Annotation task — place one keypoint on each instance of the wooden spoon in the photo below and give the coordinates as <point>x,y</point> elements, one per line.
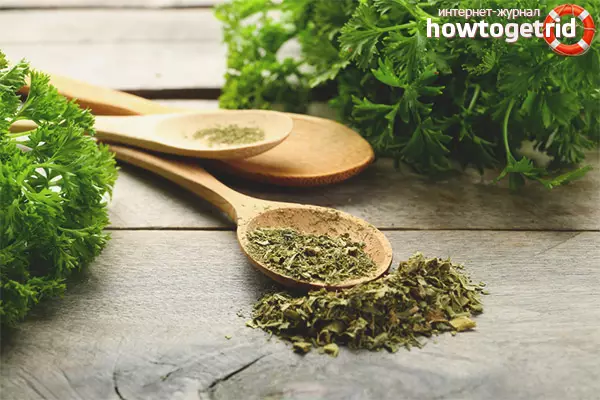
<point>174,133</point>
<point>318,151</point>
<point>250,213</point>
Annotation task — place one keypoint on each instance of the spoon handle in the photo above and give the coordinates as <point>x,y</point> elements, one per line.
<point>105,101</point>
<point>192,177</point>
<point>138,131</point>
<point>119,129</point>
<point>127,130</point>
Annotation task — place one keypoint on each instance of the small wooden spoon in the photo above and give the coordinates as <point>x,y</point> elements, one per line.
<point>250,213</point>
<point>319,151</point>
<point>174,133</point>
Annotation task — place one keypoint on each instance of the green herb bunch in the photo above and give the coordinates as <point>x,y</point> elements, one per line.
<point>54,183</point>
<point>434,103</point>
<point>423,297</point>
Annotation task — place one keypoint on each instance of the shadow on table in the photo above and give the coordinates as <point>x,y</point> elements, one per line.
<point>48,309</point>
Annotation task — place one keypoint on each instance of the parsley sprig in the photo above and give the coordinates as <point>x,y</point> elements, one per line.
<point>436,104</point>
<point>54,182</point>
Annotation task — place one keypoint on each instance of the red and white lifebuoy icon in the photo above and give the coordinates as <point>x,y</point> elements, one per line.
<point>578,48</point>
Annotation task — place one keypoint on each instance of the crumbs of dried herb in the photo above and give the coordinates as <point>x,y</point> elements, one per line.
<point>230,134</point>
<point>423,297</point>
<point>310,258</point>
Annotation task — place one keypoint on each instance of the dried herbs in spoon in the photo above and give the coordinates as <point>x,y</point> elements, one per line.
<point>422,297</point>
<point>230,135</point>
<point>310,258</point>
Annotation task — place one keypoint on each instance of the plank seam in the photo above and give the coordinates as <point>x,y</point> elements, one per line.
<point>385,229</point>
<point>177,94</point>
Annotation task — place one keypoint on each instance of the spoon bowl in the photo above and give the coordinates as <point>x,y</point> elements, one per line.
<point>175,133</point>
<point>315,220</point>
<point>250,213</point>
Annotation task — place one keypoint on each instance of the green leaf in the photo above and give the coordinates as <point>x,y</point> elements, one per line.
<point>562,106</point>
<point>383,114</point>
<point>528,103</point>
<point>360,36</point>
<point>411,105</point>
<point>566,177</point>
<point>427,149</point>
<point>546,115</point>
<point>52,197</point>
<point>488,62</point>
<point>385,74</point>
<point>13,77</point>
<point>329,74</point>
<point>523,169</point>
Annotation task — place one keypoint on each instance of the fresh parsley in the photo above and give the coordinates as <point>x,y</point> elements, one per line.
<point>54,183</point>
<point>436,104</point>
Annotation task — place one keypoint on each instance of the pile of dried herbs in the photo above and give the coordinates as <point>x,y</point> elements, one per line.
<point>230,135</point>
<point>310,258</point>
<point>422,297</point>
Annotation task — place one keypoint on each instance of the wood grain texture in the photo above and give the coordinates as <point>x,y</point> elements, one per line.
<point>385,197</point>
<point>149,318</point>
<point>137,49</point>
<point>195,104</point>
<point>106,3</point>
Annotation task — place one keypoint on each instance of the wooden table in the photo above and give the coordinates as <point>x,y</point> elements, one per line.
<point>149,318</point>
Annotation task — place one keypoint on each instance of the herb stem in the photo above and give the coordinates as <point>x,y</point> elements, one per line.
<point>474,98</point>
<point>509,155</point>
<point>398,27</point>
<point>23,108</point>
<point>418,12</point>
<point>50,165</point>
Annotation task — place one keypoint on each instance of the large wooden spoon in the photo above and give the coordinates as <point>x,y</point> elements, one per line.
<point>250,213</point>
<point>317,152</point>
<point>175,133</point>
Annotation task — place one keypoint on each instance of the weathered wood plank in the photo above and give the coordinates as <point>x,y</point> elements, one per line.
<point>192,104</point>
<point>143,200</point>
<point>125,49</point>
<point>15,4</point>
<point>149,318</point>
<point>381,195</point>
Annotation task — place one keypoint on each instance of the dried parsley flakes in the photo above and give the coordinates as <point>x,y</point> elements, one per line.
<point>310,258</point>
<point>230,134</point>
<point>422,297</point>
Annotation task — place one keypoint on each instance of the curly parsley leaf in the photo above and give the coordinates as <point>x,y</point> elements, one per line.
<point>54,181</point>
<point>360,36</point>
